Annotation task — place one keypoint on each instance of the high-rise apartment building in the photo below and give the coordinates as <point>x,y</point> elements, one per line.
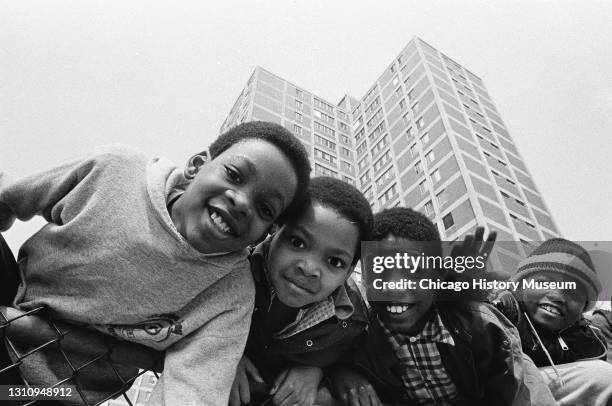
<point>425,135</point>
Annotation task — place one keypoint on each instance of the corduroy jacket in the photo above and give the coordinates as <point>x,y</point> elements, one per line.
<point>580,341</point>
<point>486,363</point>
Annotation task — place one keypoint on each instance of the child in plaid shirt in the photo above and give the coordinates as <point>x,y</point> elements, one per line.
<point>423,352</point>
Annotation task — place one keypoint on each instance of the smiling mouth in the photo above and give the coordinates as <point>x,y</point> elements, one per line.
<point>399,309</point>
<point>220,223</point>
<point>552,309</point>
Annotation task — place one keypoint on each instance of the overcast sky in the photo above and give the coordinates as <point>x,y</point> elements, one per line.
<point>163,76</point>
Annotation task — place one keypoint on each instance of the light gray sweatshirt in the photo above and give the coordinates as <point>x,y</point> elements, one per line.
<point>110,258</point>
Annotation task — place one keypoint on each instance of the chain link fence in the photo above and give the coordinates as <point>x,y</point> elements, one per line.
<point>26,335</point>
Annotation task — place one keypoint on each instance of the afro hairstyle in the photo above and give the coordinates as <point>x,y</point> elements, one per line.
<point>347,201</point>
<point>281,138</point>
<point>404,222</point>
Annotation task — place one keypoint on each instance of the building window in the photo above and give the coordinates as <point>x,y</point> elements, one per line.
<point>389,194</point>
<point>297,130</point>
<point>345,152</point>
<point>382,179</point>
<point>346,166</point>
<point>299,105</point>
<point>425,138</point>
<point>325,156</point>
<point>415,108</point>
<point>392,69</point>
<point>417,168</point>
<point>363,163</point>
<point>361,148</point>
<point>448,221</point>
<point>395,81</point>
<point>423,187</point>
<point>365,178</point>
<point>324,129</point>
<point>321,170</point>
<point>359,135</point>
<point>429,209</point>
<point>382,161</point>
<point>325,142</point>
<point>348,180</point>
<point>380,145</point>
<point>430,156</point>
<point>442,198</point>
<point>299,94</point>
<point>420,123</point>
<point>378,130</point>
<point>410,132</point>
<point>411,94</point>
<point>413,151</point>
<point>298,117</point>
<point>402,104</point>
<point>398,92</point>
<point>435,175</point>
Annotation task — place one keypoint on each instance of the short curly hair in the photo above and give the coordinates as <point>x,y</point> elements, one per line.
<point>345,199</point>
<point>404,222</point>
<point>281,138</point>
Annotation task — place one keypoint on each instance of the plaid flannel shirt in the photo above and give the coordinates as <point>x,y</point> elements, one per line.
<point>424,376</point>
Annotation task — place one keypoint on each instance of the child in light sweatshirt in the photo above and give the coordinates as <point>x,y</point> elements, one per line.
<point>147,252</point>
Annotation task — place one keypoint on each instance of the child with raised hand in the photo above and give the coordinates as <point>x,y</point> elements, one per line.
<point>307,309</point>
<point>420,351</point>
<point>147,252</point>
<point>554,333</point>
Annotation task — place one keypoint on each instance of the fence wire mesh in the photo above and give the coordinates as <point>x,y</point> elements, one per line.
<point>37,329</point>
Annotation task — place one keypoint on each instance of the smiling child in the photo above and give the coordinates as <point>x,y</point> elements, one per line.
<point>147,252</point>
<point>307,310</point>
<point>421,351</point>
<point>554,333</point>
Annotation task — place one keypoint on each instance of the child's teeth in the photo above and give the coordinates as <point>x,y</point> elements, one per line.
<point>219,222</point>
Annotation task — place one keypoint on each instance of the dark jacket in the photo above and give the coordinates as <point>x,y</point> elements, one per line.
<point>320,345</point>
<point>580,341</point>
<point>603,320</point>
<point>486,363</point>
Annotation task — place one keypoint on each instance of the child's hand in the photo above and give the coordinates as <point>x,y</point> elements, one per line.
<point>354,389</point>
<point>297,385</point>
<point>241,390</point>
<point>475,245</point>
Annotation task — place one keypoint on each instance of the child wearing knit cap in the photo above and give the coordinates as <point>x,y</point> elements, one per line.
<point>551,323</point>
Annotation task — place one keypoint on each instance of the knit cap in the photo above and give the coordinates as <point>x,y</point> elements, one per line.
<point>566,257</point>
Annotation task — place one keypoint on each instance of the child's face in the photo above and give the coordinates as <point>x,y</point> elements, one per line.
<point>311,257</point>
<point>406,308</point>
<point>554,309</point>
<point>235,198</point>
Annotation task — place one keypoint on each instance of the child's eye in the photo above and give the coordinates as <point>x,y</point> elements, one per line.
<point>233,175</point>
<point>297,242</point>
<point>267,211</point>
<point>336,262</point>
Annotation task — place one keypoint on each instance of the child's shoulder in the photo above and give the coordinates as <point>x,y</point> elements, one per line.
<point>117,153</point>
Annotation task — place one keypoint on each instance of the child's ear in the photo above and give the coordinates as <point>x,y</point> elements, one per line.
<point>194,163</point>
